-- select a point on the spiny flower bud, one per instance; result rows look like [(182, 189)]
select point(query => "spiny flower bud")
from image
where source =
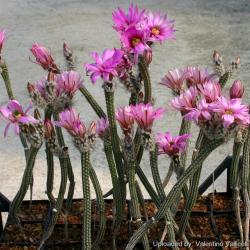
[(217, 58), (37, 114), (49, 131), (30, 87), (236, 90)]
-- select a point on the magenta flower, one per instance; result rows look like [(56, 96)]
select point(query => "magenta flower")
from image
[(200, 114), (161, 28), (236, 90), (231, 111), (14, 114), (123, 21), (135, 41), (145, 114), (69, 82), (102, 127), (174, 80), (71, 121), (2, 39), (105, 65), (196, 76), (210, 90), (186, 101), (44, 58), (170, 145), (125, 119)]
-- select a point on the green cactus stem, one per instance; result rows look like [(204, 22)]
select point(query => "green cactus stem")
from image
[(6, 78), (203, 154), (101, 208), (16, 203), (86, 222)]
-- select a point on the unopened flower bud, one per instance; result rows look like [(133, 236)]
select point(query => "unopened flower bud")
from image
[(237, 90), (148, 56), (217, 58), (49, 131), (30, 87), (37, 114), (66, 50), (51, 77), (2, 38)]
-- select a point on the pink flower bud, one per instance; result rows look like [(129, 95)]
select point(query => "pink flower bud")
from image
[(237, 90), (49, 131), (2, 38)]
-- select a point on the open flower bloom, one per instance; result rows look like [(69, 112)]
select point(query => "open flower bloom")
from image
[(210, 91), (171, 145), (2, 38), (126, 121), (68, 82), (196, 76), (232, 112), (135, 41), (161, 28), (200, 114), (44, 58), (123, 21), (105, 65), (102, 126), (145, 114), (174, 80), (14, 114), (71, 121), (236, 90), (186, 101)]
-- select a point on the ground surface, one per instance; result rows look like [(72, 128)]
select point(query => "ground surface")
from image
[(202, 26)]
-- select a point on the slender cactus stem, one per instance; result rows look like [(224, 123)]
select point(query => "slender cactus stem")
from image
[(6, 79), (245, 179), (101, 208), (70, 169), (86, 223), (16, 203), (93, 103), (56, 209), (203, 154), (161, 194)]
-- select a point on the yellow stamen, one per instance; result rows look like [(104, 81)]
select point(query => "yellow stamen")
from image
[(16, 114), (155, 31), (135, 41), (229, 112)]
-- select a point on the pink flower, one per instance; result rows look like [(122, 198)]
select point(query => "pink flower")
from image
[(200, 114), (231, 111), (135, 41), (161, 28), (71, 121), (105, 65), (210, 90), (196, 76), (13, 112), (237, 90), (102, 127), (171, 146), (186, 101), (69, 82), (2, 39), (123, 21), (145, 114), (174, 80), (126, 121), (44, 58)]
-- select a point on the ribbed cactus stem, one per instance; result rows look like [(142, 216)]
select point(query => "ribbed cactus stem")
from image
[(6, 79), (57, 206), (69, 166), (136, 214), (86, 223), (143, 68), (93, 103), (161, 193), (223, 79), (16, 203), (203, 154), (101, 208), (245, 184)]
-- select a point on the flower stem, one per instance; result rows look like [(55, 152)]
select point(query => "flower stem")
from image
[(86, 223), (6, 79)]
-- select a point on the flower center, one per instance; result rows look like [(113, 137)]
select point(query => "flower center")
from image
[(155, 31), (135, 41), (16, 114), (229, 112)]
